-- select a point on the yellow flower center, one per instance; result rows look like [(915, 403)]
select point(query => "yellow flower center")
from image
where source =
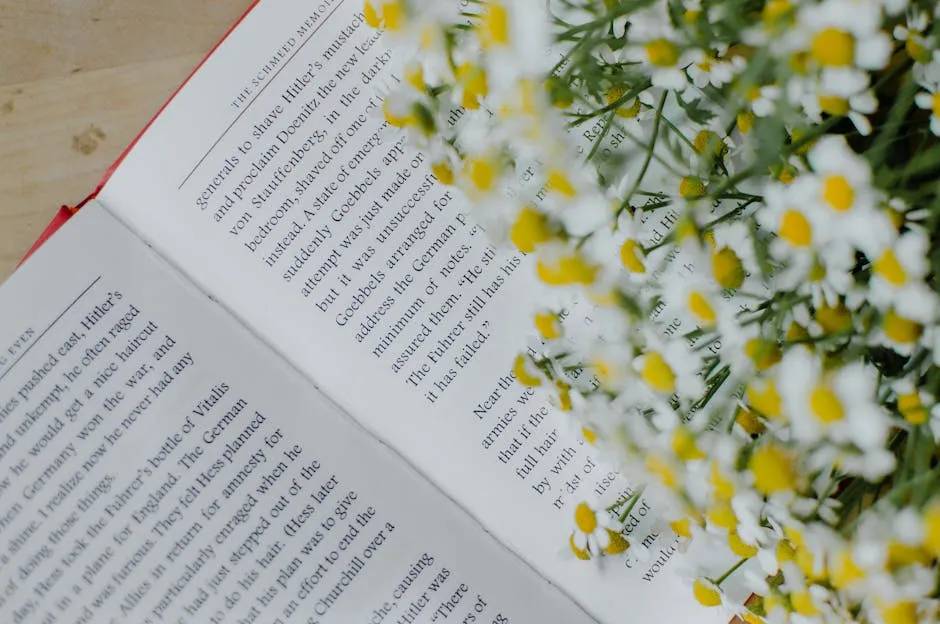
[(662, 52), (481, 172), (843, 571), (548, 325), (589, 436), (777, 11), (428, 37), (414, 76), (738, 547), (799, 62), (900, 329), (834, 105), (917, 51), (764, 353), (727, 268), (765, 398), (371, 15), (683, 445), (834, 320), (585, 518), (897, 218), (802, 603), (530, 229), (690, 186), (559, 182), (657, 374), (564, 396), (749, 421), (707, 595), (797, 333), (722, 515), (618, 543), (581, 554), (838, 192), (808, 563), (709, 237), (785, 173), (475, 85), (932, 529), (631, 255), (707, 142), (494, 26), (520, 369), (745, 121), (889, 268), (568, 270), (785, 551), (395, 117), (625, 110), (751, 618), (818, 272), (394, 15), (682, 528), (832, 47), (443, 172), (528, 99), (774, 469), (658, 468), (795, 228), (723, 488), (701, 308), (901, 555), (685, 229), (902, 612), (826, 405), (912, 408), (604, 371)]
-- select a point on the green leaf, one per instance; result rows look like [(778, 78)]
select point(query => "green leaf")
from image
[(695, 110)]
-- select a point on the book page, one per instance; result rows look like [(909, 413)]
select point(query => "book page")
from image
[(275, 183), (159, 464)]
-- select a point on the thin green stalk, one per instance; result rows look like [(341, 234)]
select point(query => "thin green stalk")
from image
[(608, 122), (721, 579), (636, 499), (650, 149)]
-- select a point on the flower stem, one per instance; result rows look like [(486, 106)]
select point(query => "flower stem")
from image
[(650, 149), (721, 579)]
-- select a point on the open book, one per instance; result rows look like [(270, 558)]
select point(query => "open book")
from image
[(265, 377)]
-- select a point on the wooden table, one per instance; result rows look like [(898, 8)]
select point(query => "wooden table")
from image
[(78, 80)]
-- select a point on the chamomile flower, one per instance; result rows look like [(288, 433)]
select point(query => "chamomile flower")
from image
[(845, 34), (657, 47), (513, 36), (916, 44), (846, 196), (708, 70), (763, 99), (595, 532), (800, 230), (832, 405), (930, 100), (897, 279), (899, 333), (667, 367), (407, 21)]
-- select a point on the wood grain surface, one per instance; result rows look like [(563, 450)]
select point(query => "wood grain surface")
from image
[(78, 81)]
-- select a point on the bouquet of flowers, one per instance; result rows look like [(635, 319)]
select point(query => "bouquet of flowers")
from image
[(735, 204)]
